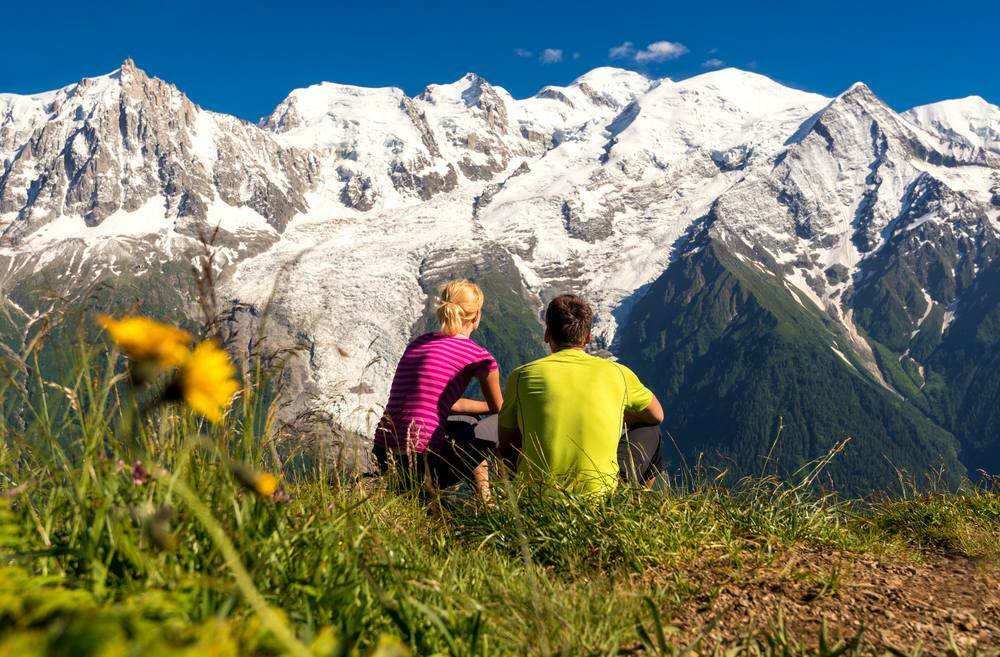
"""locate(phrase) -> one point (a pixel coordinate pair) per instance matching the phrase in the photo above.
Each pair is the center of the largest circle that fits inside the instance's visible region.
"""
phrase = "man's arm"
(510, 445)
(510, 439)
(652, 414)
(509, 434)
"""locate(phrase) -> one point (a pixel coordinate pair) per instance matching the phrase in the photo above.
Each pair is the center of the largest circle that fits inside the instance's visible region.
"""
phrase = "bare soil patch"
(904, 605)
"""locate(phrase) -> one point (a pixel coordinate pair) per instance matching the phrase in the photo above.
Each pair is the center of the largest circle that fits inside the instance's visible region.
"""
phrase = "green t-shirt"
(569, 407)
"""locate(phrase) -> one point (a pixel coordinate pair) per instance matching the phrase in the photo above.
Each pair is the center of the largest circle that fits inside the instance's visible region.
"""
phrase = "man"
(564, 413)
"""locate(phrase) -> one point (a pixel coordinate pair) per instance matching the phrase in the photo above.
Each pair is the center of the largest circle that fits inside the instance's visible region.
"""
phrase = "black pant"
(469, 442)
(639, 454)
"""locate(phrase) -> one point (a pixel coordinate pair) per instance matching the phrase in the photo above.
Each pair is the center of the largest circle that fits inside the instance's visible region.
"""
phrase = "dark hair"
(568, 319)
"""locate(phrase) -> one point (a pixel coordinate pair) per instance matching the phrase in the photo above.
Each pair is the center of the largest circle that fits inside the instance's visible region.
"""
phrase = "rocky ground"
(930, 603)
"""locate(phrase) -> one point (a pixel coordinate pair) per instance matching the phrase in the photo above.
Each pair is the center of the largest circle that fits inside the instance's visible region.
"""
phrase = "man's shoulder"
(621, 367)
(529, 366)
(609, 370)
(594, 363)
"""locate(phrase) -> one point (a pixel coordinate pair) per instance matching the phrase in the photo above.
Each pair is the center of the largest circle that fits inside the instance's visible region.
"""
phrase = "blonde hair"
(459, 302)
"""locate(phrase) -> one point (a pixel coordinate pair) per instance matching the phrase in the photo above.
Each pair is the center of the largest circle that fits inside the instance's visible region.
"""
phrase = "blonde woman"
(415, 432)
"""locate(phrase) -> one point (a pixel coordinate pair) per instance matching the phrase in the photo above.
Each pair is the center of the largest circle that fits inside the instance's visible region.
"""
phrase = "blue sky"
(244, 57)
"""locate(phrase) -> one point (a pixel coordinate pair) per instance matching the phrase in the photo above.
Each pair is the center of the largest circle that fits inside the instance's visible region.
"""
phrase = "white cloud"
(627, 49)
(551, 56)
(712, 51)
(715, 62)
(660, 51)
(576, 55)
(521, 52)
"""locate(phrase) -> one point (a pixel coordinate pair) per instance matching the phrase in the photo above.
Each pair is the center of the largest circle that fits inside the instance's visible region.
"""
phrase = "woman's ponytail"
(460, 301)
(450, 317)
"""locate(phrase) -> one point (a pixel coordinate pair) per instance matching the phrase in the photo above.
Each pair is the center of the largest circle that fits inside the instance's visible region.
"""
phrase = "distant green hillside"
(949, 370)
(731, 351)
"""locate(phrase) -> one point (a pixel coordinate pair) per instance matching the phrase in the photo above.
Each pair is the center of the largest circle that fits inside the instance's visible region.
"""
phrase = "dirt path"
(902, 605)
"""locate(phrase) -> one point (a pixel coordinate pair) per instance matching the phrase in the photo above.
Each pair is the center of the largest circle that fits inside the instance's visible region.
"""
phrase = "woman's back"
(431, 376)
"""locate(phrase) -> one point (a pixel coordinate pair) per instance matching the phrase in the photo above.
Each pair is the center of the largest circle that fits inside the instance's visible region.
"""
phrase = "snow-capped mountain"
(117, 142)
(965, 120)
(342, 209)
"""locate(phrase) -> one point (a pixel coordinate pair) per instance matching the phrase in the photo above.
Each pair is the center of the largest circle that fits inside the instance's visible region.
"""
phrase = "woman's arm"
(466, 406)
(490, 384)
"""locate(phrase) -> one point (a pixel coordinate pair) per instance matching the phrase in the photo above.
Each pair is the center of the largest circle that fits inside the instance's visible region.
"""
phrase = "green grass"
(100, 557)
(959, 524)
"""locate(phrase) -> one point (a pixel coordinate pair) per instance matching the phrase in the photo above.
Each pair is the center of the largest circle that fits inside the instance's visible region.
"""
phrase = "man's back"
(569, 409)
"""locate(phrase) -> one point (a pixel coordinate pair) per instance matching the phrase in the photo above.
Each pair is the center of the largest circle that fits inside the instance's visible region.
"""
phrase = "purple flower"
(139, 474)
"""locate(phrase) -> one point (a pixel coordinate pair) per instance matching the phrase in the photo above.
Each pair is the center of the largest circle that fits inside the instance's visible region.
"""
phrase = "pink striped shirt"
(431, 376)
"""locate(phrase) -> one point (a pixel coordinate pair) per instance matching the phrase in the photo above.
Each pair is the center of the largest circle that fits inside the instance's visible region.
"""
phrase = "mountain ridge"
(339, 211)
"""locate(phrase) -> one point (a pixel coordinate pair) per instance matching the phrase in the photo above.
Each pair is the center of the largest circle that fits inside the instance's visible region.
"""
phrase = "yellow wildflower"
(147, 341)
(263, 483)
(207, 381)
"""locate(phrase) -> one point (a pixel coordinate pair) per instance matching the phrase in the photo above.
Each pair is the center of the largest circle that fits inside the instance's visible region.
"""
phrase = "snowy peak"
(833, 190)
(374, 146)
(861, 109)
(857, 117)
(860, 100)
(613, 87)
(120, 141)
(83, 99)
(856, 108)
(467, 90)
(605, 77)
(328, 99)
(730, 117)
(971, 120)
(733, 82)
(856, 182)
(329, 113)
(129, 85)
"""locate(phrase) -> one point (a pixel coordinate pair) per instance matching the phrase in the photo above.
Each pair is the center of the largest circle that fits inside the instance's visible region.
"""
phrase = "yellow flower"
(262, 483)
(207, 381)
(265, 484)
(147, 341)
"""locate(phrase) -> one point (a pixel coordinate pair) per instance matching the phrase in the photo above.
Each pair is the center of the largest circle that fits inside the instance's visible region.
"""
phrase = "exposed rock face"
(420, 121)
(359, 192)
(734, 159)
(114, 143)
(423, 185)
(589, 228)
(491, 190)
